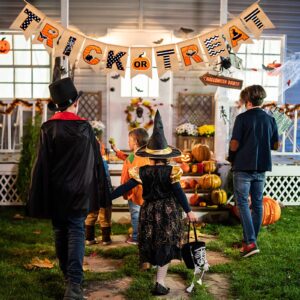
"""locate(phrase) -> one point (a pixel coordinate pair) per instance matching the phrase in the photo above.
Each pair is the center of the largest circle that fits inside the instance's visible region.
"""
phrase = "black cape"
(68, 177)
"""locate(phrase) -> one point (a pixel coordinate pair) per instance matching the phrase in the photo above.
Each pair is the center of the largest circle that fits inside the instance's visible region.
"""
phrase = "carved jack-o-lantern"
(141, 63)
(186, 156)
(4, 46)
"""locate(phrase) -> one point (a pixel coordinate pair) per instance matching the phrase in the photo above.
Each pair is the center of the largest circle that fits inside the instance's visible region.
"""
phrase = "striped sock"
(161, 274)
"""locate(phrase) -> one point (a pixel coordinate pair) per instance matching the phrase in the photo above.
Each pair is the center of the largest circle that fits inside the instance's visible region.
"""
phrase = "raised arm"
(123, 188)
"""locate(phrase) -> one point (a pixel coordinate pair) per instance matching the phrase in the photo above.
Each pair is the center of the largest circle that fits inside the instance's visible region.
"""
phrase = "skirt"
(160, 231)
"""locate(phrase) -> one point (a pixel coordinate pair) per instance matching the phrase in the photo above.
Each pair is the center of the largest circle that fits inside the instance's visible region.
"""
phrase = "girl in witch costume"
(160, 226)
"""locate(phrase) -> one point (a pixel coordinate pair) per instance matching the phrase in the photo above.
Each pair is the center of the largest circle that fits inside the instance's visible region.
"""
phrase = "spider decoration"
(223, 115)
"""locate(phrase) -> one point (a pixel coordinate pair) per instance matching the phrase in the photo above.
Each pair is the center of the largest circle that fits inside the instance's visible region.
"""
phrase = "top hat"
(63, 94)
(157, 146)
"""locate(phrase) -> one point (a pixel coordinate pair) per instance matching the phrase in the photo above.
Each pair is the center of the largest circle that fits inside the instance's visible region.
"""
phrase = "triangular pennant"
(140, 61)
(116, 59)
(236, 34)
(91, 54)
(190, 53)
(213, 45)
(48, 34)
(69, 45)
(166, 59)
(256, 20)
(29, 19)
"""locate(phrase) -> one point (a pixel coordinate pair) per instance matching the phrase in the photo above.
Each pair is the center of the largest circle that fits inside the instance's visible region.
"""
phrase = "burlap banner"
(190, 53)
(166, 59)
(116, 59)
(107, 58)
(256, 20)
(140, 61)
(213, 45)
(29, 19)
(48, 34)
(69, 45)
(92, 54)
(236, 34)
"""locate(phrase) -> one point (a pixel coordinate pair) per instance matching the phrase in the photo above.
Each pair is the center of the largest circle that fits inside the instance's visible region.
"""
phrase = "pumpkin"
(185, 167)
(186, 156)
(192, 183)
(201, 152)
(184, 184)
(4, 46)
(200, 168)
(271, 211)
(219, 197)
(209, 166)
(194, 199)
(209, 181)
(141, 63)
(202, 204)
(194, 168)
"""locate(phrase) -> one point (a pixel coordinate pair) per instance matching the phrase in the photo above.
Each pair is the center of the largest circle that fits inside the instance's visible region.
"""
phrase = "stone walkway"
(216, 284)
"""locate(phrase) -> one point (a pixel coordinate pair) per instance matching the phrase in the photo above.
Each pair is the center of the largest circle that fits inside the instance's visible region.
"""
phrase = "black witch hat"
(157, 146)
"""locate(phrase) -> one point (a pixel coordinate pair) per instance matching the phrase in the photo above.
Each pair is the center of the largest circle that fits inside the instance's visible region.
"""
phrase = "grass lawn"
(273, 274)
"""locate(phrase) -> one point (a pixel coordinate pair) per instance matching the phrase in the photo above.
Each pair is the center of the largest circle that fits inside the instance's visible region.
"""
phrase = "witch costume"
(160, 226)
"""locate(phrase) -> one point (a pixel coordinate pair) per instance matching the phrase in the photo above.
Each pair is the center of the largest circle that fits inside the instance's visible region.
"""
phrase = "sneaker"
(131, 241)
(91, 242)
(105, 243)
(160, 290)
(250, 250)
(244, 246)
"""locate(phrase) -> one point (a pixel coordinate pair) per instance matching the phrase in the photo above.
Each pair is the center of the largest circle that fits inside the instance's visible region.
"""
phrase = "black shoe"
(160, 290)
(73, 292)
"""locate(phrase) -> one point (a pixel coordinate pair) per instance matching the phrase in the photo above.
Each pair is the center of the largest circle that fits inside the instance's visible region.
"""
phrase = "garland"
(136, 103)
(19, 102)
(288, 109)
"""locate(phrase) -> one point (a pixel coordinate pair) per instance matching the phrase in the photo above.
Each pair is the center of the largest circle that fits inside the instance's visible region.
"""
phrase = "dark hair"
(254, 94)
(161, 160)
(141, 136)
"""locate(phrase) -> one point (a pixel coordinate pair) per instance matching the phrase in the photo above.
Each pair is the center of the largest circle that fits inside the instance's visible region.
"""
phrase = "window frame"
(30, 66)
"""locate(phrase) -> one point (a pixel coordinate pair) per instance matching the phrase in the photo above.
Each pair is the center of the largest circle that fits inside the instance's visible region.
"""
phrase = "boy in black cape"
(68, 181)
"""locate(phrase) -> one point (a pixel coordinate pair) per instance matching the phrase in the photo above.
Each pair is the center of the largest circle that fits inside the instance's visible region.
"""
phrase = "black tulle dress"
(160, 221)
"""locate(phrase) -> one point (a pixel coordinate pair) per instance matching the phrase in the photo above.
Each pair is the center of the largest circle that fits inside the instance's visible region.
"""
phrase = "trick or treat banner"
(86, 52)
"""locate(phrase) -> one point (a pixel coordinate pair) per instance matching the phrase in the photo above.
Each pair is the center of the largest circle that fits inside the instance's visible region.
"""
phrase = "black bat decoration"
(190, 52)
(165, 79)
(158, 41)
(115, 76)
(186, 30)
(138, 90)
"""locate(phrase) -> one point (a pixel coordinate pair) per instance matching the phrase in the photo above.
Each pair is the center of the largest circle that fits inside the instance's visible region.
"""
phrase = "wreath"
(135, 111)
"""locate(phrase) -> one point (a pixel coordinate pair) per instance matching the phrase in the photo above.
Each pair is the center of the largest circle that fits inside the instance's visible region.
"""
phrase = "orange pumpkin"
(201, 152)
(141, 63)
(186, 156)
(202, 204)
(209, 181)
(219, 197)
(185, 167)
(194, 168)
(209, 166)
(271, 211)
(4, 46)
(194, 199)
(184, 184)
(192, 183)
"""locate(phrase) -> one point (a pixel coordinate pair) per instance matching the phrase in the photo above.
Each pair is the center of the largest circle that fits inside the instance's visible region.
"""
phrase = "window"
(264, 51)
(25, 70)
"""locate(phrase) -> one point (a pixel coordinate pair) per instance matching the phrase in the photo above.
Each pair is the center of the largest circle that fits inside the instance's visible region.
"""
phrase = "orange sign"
(232, 83)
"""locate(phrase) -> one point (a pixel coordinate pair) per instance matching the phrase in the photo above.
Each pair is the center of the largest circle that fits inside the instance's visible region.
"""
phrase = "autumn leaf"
(39, 263)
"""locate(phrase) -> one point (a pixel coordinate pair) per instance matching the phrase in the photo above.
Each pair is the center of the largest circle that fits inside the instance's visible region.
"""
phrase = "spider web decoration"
(90, 106)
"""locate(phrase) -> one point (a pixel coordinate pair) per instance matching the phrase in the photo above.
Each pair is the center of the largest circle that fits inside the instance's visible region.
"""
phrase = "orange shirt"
(131, 160)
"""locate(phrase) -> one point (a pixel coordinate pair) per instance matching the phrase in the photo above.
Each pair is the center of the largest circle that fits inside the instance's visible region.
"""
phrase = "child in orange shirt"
(137, 138)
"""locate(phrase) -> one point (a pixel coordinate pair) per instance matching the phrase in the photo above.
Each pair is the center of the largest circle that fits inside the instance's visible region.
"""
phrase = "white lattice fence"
(283, 184)
(8, 191)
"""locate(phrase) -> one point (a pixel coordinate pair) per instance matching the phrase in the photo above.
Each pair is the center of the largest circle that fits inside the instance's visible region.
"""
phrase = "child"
(160, 227)
(137, 138)
(104, 214)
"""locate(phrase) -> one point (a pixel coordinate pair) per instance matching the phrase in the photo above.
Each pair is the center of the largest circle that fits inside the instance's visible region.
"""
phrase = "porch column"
(64, 15)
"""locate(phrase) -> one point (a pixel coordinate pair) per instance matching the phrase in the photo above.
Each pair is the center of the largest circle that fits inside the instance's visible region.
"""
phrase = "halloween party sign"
(86, 52)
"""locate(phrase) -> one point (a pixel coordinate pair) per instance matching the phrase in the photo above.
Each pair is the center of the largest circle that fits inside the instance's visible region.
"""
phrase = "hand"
(192, 217)
(114, 148)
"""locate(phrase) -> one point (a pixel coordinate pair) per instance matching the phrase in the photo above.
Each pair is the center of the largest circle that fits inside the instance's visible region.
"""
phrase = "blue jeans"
(252, 183)
(69, 237)
(134, 213)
